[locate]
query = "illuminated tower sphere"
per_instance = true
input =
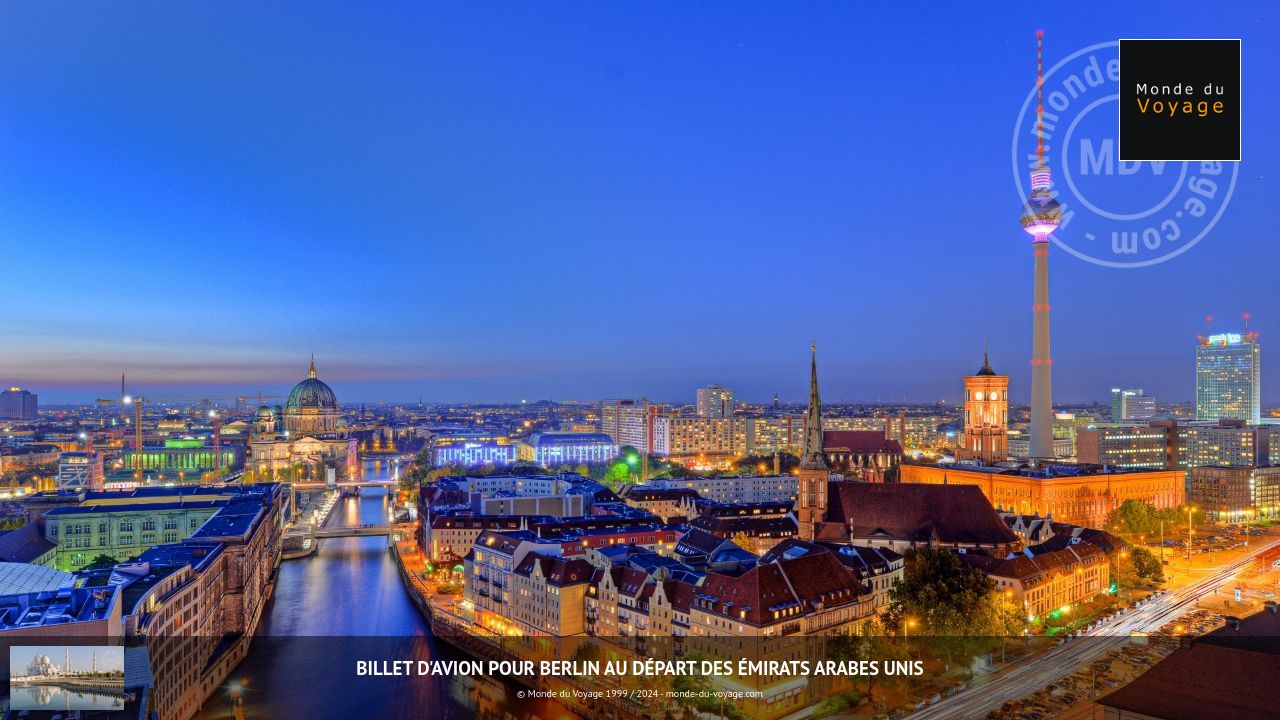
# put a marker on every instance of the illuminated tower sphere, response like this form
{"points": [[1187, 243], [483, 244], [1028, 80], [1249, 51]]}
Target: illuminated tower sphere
{"points": [[1040, 217]]}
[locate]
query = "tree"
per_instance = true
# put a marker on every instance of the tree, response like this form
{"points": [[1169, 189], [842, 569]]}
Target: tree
{"points": [[950, 602], [1146, 565], [1135, 517], [102, 562], [867, 642], [746, 542]]}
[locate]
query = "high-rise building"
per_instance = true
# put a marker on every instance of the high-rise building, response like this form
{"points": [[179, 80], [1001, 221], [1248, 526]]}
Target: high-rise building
{"points": [[630, 423], [1131, 404], [1228, 375], [715, 401], [986, 415], [17, 404], [813, 475], [1040, 217]]}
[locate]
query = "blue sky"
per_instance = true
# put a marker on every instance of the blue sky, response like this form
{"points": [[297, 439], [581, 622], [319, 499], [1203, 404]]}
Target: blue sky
{"points": [[82, 657], [504, 201]]}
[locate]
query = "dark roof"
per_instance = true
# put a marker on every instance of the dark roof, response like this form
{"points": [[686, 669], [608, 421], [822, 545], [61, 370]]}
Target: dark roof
{"points": [[24, 545], [698, 541], [680, 594], [864, 561], [858, 441], [986, 367], [504, 542], [569, 438], [644, 493], [1259, 632], [726, 527], [557, 570], [744, 509], [917, 512], [1204, 682]]}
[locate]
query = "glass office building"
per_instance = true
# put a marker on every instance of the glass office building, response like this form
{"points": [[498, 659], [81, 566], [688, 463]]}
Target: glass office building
{"points": [[1228, 378]]}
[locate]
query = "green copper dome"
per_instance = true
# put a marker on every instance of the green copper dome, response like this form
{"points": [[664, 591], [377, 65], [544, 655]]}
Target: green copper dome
{"points": [[311, 394]]}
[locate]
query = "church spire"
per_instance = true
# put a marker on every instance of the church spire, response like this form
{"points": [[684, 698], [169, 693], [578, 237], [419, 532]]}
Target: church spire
{"points": [[311, 373], [813, 458]]}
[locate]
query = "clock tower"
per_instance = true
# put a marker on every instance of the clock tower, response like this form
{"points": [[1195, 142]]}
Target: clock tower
{"points": [[986, 416]]}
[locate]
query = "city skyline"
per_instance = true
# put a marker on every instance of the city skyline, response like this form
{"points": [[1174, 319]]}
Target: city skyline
{"points": [[407, 230]]}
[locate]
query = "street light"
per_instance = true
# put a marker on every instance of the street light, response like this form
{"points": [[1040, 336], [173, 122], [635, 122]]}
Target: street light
{"points": [[1190, 533]]}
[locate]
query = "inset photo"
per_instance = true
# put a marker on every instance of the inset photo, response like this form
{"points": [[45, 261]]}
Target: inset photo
{"points": [[61, 678]]}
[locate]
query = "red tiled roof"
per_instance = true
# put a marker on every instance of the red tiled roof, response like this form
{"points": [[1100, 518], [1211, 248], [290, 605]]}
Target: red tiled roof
{"points": [[1204, 682], [1027, 569], [917, 512], [796, 582]]}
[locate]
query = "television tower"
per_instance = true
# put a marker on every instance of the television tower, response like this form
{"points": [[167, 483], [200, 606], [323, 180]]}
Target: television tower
{"points": [[1040, 217]]}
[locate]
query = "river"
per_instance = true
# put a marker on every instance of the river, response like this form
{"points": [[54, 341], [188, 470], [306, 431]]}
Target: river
{"points": [[344, 603]]}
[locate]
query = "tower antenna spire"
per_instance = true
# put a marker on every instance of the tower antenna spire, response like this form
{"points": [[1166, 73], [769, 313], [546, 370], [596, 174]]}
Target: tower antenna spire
{"points": [[1039, 98]]}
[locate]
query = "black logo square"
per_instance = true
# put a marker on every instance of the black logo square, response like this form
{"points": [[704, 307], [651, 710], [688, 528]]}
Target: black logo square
{"points": [[1179, 100]]}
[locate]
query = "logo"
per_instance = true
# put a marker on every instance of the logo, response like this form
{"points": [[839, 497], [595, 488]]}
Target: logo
{"points": [[1115, 213]]}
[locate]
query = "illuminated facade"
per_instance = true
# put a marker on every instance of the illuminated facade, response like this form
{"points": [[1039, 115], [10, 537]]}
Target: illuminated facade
{"points": [[305, 433], [630, 423], [80, 471], [775, 434], [715, 402], [558, 448], [1128, 445], [986, 416], [1228, 376], [18, 404], [1234, 493], [1077, 494], [1048, 581], [1131, 405], [472, 450], [1226, 442], [123, 524], [689, 436]]}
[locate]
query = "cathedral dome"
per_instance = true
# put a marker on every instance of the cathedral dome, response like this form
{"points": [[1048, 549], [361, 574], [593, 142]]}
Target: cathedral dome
{"points": [[266, 413], [311, 394]]}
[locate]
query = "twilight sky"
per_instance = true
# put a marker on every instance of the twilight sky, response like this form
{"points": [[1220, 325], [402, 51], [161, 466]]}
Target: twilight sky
{"points": [[502, 201]]}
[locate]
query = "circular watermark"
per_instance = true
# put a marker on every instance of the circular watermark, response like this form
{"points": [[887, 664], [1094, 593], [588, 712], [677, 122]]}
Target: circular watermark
{"points": [[1114, 213]]}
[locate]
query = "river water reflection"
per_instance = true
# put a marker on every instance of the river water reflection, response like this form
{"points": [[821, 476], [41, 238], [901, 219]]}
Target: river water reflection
{"points": [[345, 603]]}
